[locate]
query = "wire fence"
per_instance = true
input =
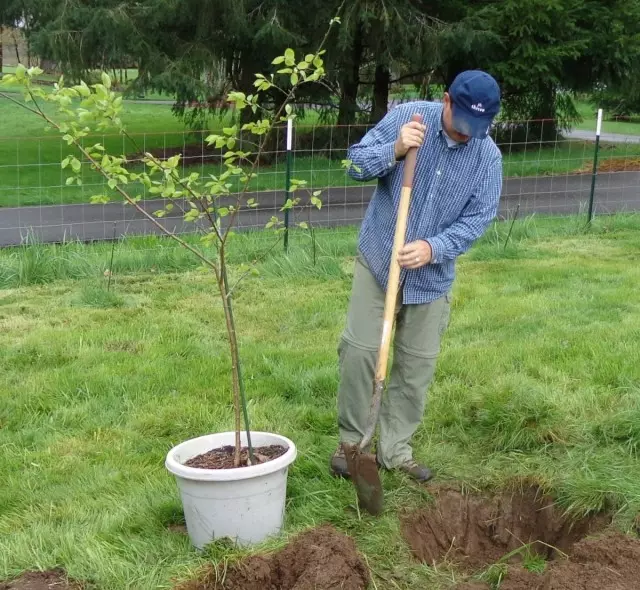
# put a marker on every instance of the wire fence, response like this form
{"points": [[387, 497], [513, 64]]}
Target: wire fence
{"points": [[546, 172]]}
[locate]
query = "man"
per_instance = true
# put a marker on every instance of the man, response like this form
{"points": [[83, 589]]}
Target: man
{"points": [[456, 191]]}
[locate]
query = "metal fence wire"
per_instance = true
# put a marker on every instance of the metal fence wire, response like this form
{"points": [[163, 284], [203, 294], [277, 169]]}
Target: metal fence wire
{"points": [[546, 172]]}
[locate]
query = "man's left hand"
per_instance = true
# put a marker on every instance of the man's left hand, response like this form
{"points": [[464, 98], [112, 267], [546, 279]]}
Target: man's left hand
{"points": [[415, 254]]}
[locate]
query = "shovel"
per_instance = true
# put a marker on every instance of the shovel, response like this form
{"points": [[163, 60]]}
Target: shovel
{"points": [[362, 466]]}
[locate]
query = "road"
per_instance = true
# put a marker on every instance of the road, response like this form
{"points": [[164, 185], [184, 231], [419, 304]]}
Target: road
{"points": [[558, 195], [604, 137]]}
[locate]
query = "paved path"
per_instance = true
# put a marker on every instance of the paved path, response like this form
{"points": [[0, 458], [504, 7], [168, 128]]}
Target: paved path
{"points": [[558, 195], [606, 137]]}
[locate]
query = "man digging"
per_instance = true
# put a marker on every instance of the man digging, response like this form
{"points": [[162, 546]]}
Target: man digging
{"points": [[455, 196]]}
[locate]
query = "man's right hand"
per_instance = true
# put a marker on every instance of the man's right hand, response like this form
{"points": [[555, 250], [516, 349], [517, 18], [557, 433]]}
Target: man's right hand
{"points": [[411, 135]]}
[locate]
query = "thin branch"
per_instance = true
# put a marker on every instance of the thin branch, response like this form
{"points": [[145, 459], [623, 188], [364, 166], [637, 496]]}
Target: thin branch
{"points": [[256, 261], [21, 104]]}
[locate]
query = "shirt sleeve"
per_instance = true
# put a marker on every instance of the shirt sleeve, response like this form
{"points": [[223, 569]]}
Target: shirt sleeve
{"points": [[474, 220], [374, 156]]}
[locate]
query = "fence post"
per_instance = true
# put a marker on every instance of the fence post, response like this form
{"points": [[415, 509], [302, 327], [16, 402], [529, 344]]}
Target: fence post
{"points": [[288, 183], [595, 166]]}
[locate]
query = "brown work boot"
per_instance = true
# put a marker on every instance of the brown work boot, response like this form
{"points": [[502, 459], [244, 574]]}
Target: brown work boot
{"points": [[418, 472], [338, 465]]}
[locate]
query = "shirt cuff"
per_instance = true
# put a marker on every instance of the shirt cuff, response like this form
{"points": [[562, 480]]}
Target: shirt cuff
{"points": [[388, 157], [437, 250]]}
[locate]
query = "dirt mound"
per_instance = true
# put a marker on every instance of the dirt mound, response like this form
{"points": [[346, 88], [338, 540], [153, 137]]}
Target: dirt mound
{"points": [[473, 531], [606, 562], [48, 580], [613, 164], [320, 559]]}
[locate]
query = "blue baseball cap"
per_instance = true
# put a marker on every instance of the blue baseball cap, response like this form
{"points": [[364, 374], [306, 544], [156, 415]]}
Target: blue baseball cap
{"points": [[475, 98]]}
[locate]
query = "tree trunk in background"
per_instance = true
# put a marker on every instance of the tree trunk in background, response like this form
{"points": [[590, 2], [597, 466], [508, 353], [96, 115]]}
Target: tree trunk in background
{"points": [[350, 82], [545, 126], [16, 45], [381, 83], [1, 52]]}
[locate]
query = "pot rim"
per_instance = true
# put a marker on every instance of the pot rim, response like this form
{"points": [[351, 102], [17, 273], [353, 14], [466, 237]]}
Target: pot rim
{"points": [[237, 473]]}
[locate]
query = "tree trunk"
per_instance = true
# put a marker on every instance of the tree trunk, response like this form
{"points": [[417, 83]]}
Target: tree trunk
{"points": [[350, 82], [16, 45], [380, 93], [235, 357], [545, 125], [1, 50]]}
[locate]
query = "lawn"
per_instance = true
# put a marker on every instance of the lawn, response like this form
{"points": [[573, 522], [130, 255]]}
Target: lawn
{"points": [[538, 380], [589, 114], [30, 172]]}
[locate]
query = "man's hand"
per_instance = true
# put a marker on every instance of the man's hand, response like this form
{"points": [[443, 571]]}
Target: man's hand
{"points": [[411, 135], [415, 255]]}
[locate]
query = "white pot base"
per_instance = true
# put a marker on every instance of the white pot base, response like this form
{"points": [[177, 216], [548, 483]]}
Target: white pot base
{"points": [[245, 504]]}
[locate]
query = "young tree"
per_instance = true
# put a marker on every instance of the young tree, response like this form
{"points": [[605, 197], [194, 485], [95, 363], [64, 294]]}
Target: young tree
{"points": [[84, 108]]}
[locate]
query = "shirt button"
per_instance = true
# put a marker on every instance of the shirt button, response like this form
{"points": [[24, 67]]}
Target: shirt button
{"points": [[438, 172], [390, 164]]}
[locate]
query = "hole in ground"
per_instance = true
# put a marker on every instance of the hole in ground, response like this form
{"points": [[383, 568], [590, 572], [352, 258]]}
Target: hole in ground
{"points": [[473, 531], [319, 559], [603, 562], [46, 580]]}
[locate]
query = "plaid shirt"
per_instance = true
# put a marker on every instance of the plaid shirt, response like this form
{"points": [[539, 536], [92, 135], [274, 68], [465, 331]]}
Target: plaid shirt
{"points": [[455, 196]]}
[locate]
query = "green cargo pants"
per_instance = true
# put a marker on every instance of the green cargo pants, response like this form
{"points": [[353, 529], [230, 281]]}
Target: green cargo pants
{"points": [[415, 349]]}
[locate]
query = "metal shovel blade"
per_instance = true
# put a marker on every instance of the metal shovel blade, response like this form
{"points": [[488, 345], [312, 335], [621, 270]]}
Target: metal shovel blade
{"points": [[366, 478], [362, 465]]}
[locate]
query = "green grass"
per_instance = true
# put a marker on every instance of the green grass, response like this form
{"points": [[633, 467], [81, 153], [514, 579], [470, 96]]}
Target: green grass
{"points": [[590, 117], [538, 379]]}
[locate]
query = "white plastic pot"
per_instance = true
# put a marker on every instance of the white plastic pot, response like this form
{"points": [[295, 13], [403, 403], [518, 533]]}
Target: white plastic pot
{"points": [[245, 504]]}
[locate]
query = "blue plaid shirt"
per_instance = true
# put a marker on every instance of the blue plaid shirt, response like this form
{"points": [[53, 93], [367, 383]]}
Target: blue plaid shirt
{"points": [[455, 196]]}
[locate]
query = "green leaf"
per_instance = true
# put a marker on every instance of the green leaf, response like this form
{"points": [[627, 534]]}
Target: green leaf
{"points": [[303, 65], [223, 212], [285, 71], [106, 81], [191, 215], [294, 79], [309, 57], [20, 72], [75, 165], [278, 60], [65, 162], [99, 199], [112, 183], [303, 225], [289, 57], [316, 202]]}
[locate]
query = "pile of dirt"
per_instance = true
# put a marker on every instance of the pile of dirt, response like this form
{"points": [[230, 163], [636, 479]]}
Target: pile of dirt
{"points": [[613, 164], [320, 559], [47, 580], [223, 458], [605, 562], [473, 531]]}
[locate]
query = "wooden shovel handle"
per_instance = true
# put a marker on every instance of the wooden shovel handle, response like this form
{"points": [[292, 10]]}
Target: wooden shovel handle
{"points": [[391, 295], [394, 267]]}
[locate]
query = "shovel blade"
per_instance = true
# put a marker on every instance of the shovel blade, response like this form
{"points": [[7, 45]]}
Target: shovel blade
{"points": [[366, 478]]}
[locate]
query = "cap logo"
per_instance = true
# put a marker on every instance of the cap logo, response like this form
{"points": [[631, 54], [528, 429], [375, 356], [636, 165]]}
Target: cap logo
{"points": [[478, 107]]}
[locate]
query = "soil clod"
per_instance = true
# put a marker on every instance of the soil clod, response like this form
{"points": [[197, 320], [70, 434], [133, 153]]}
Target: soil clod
{"points": [[47, 580], [473, 531], [320, 559], [223, 457]]}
